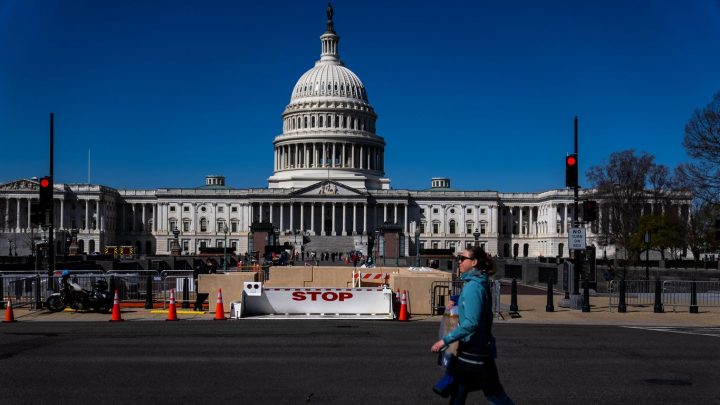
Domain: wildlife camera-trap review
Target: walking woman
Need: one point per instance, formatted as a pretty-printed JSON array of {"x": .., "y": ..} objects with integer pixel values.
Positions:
[{"x": 474, "y": 367}]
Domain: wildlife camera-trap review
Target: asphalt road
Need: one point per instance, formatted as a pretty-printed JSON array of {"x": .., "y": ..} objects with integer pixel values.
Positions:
[{"x": 343, "y": 362}]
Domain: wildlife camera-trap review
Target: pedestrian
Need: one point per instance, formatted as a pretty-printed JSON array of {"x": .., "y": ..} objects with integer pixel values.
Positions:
[{"x": 473, "y": 368}]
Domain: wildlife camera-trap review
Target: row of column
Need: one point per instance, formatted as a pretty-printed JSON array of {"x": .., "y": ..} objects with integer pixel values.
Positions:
[
  {"x": 329, "y": 154},
  {"x": 24, "y": 224},
  {"x": 332, "y": 209}
]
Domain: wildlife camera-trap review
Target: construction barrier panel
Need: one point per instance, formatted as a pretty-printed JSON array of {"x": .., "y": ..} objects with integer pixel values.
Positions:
[{"x": 374, "y": 302}]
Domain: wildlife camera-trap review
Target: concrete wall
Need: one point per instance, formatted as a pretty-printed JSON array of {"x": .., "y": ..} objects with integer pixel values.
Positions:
[{"x": 232, "y": 285}]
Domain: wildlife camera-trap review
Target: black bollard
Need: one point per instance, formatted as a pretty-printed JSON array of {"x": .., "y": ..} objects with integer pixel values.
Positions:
[
  {"x": 38, "y": 301},
  {"x": 513, "y": 296},
  {"x": 658, "y": 307},
  {"x": 111, "y": 286},
  {"x": 549, "y": 307},
  {"x": 149, "y": 292},
  {"x": 693, "y": 298},
  {"x": 2, "y": 293},
  {"x": 586, "y": 295},
  {"x": 186, "y": 293},
  {"x": 621, "y": 306}
]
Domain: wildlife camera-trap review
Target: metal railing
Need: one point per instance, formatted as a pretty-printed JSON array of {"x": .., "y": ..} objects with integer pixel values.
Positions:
[
  {"x": 675, "y": 293},
  {"x": 678, "y": 293},
  {"x": 440, "y": 292}
]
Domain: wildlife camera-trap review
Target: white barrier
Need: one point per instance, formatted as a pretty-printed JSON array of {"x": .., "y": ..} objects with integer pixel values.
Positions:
[
  {"x": 366, "y": 303},
  {"x": 360, "y": 277}
]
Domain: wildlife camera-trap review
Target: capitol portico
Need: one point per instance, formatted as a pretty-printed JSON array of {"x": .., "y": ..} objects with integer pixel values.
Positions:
[{"x": 328, "y": 188}]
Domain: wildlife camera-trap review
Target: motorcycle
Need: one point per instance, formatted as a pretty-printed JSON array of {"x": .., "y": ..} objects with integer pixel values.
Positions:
[{"x": 74, "y": 296}]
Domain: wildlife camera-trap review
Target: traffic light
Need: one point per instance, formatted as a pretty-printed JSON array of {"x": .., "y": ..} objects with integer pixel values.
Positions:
[
  {"x": 571, "y": 170},
  {"x": 589, "y": 210},
  {"x": 46, "y": 199}
]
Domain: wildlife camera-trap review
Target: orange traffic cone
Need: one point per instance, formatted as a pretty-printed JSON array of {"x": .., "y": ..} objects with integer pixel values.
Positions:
[
  {"x": 9, "y": 317},
  {"x": 219, "y": 309},
  {"x": 116, "y": 309},
  {"x": 172, "y": 311},
  {"x": 403, "y": 308}
]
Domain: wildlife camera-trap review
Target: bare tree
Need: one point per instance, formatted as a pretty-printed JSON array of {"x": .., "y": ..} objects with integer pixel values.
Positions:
[
  {"x": 702, "y": 143},
  {"x": 627, "y": 186}
]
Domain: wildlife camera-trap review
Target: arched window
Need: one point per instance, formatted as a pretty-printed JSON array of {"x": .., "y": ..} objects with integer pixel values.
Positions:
[
  {"x": 516, "y": 247},
  {"x": 203, "y": 225},
  {"x": 148, "y": 247},
  {"x": 91, "y": 246},
  {"x": 305, "y": 124},
  {"x": 526, "y": 250},
  {"x": 320, "y": 122},
  {"x": 81, "y": 246},
  {"x": 312, "y": 121},
  {"x": 452, "y": 226}
]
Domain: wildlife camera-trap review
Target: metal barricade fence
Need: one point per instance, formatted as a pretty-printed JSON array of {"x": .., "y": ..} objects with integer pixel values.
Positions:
[
  {"x": 638, "y": 293},
  {"x": 440, "y": 292},
  {"x": 678, "y": 293},
  {"x": 178, "y": 282},
  {"x": 23, "y": 289}
]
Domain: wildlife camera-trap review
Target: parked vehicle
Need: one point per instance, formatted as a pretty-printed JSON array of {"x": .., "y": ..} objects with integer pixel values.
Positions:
[{"x": 73, "y": 296}]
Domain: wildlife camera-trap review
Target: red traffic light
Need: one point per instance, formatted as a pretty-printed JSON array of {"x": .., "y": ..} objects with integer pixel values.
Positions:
[
  {"x": 571, "y": 160},
  {"x": 44, "y": 182}
]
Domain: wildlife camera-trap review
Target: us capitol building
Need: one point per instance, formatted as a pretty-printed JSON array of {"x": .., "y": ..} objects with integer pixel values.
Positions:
[{"x": 328, "y": 190}]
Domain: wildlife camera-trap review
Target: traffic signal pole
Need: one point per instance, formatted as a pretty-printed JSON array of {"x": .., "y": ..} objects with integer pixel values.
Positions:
[
  {"x": 51, "y": 209},
  {"x": 579, "y": 254}
]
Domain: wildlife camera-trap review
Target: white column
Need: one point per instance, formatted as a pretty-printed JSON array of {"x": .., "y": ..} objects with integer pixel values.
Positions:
[
  {"x": 17, "y": 216},
  {"x": 405, "y": 220},
  {"x": 195, "y": 228},
  {"x": 344, "y": 218},
  {"x": 302, "y": 216},
  {"x": 342, "y": 164},
  {"x": 355, "y": 219},
  {"x": 332, "y": 220},
  {"x": 332, "y": 164},
  {"x": 312, "y": 218},
  {"x": 282, "y": 217},
  {"x": 385, "y": 210},
  {"x": 352, "y": 162},
  {"x": 520, "y": 220},
  {"x": 365, "y": 218},
  {"x": 29, "y": 225},
  {"x": 292, "y": 221},
  {"x": 565, "y": 222},
  {"x": 97, "y": 217},
  {"x": 395, "y": 212},
  {"x": 271, "y": 212},
  {"x": 322, "y": 219}
]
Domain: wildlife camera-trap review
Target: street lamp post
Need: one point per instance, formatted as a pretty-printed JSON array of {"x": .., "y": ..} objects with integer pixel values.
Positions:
[
  {"x": 377, "y": 246},
  {"x": 417, "y": 246},
  {"x": 646, "y": 238},
  {"x": 476, "y": 235},
  {"x": 225, "y": 231}
]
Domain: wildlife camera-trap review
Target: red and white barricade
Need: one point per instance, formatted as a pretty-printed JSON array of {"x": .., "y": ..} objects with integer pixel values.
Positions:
[
  {"x": 376, "y": 278},
  {"x": 357, "y": 303}
]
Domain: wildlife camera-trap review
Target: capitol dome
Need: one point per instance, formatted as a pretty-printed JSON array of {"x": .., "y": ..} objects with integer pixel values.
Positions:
[
  {"x": 329, "y": 80},
  {"x": 329, "y": 128}
]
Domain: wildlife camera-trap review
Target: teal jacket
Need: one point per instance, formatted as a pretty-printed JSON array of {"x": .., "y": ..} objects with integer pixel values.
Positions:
[{"x": 473, "y": 299}]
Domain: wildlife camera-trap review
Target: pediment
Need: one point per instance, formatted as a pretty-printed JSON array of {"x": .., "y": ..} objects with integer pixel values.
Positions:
[
  {"x": 328, "y": 188},
  {"x": 20, "y": 185}
]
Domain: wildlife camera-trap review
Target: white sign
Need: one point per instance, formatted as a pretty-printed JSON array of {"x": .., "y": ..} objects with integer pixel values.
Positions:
[
  {"x": 288, "y": 301},
  {"x": 576, "y": 238}
]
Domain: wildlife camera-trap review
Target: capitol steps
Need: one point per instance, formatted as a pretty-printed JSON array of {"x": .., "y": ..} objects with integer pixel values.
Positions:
[{"x": 321, "y": 244}]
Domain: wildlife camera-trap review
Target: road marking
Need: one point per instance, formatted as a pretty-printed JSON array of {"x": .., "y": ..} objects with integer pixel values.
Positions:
[{"x": 688, "y": 330}]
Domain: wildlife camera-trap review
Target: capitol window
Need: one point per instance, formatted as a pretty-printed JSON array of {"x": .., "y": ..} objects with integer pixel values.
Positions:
[
  {"x": 172, "y": 208},
  {"x": 469, "y": 210},
  {"x": 233, "y": 209},
  {"x": 221, "y": 209},
  {"x": 203, "y": 225},
  {"x": 452, "y": 210},
  {"x": 186, "y": 226},
  {"x": 482, "y": 210},
  {"x": 452, "y": 226},
  {"x": 435, "y": 210},
  {"x": 186, "y": 209},
  {"x": 436, "y": 227}
]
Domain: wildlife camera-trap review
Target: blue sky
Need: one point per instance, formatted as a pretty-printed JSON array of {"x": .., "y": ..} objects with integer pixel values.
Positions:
[{"x": 483, "y": 92}]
